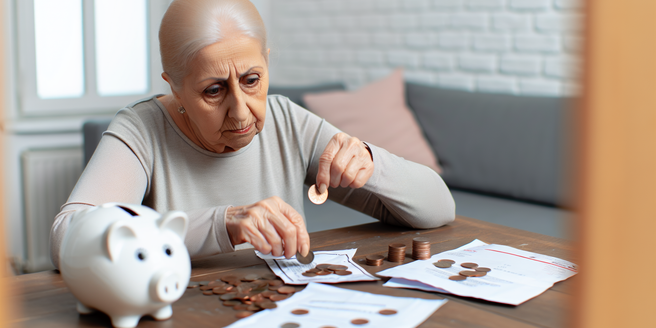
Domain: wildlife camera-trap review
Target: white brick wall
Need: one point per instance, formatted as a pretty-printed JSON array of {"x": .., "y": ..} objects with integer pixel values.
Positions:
[{"x": 503, "y": 46}]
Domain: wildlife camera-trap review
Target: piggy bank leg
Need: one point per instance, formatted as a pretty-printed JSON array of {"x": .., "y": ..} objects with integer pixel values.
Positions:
[
  {"x": 82, "y": 309},
  {"x": 127, "y": 321},
  {"x": 163, "y": 313}
]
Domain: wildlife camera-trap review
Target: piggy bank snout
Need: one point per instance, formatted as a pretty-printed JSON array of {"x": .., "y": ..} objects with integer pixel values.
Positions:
[{"x": 167, "y": 286}]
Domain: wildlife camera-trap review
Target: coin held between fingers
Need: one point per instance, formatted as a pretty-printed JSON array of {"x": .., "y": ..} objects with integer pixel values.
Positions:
[{"x": 316, "y": 197}]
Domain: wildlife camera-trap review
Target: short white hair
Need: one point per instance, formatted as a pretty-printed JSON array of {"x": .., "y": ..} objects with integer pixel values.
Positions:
[{"x": 191, "y": 25}]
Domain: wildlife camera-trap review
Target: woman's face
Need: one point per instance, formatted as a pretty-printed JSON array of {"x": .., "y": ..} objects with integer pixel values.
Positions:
[{"x": 224, "y": 94}]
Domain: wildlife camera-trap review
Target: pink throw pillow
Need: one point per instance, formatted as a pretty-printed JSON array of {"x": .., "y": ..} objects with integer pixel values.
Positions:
[{"x": 377, "y": 113}]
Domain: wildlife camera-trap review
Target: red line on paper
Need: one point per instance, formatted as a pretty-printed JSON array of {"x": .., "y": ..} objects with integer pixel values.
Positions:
[{"x": 528, "y": 258}]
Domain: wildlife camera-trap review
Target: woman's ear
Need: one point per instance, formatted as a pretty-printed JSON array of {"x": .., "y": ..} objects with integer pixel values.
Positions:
[{"x": 168, "y": 79}]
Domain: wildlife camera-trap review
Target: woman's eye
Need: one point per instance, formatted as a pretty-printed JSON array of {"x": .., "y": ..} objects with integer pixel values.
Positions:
[
  {"x": 141, "y": 254},
  {"x": 168, "y": 250},
  {"x": 252, "y": 79},
  {"x": 213, "y": 90}
]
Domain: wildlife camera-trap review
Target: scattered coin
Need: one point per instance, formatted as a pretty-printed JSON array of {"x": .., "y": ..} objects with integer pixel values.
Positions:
[
  {"x": 337, "y": 267},
  {"x": 193, "y": 284},
  {"x": 323, "y": 266},
  {"x": 305, "y": 259},
  {"x": 243, "y": 314},
  {"x": 479, "y": 274},
  {"x": 250, "y": 277},
  {"x": 457, "y": 278},
  {"x": 300, "y": 311},
  {"x": 268, "y": 305},
  {"x": 421, "y": 248},
  {"x": 277, "y": 298},
  {"x": 448, "y": 261},
  {"x": 204, "y": 283},
  {"x": 396, "y": 252},
  {"x": 207, "y": 292},
  {"x": 469, "y": 265},
  {"x": 443, "y": 265},
  {"x": 359, "y": 321},
  {"x": 227, "y": 297},
  {"x": 228, "y": 279},
  {"x": 286, "y": 290},
  {"x": 309, "y": 274},
  {"x": 276, "y": 283},
  {"x": 343, "y": 273},
  {"x": 231, "y": 303},
  {"x": 315, "y": 197},
  {"x": 240, "y": 307},
  {"x": 467, "y": 273},
  {"x": 375, "y": 260},
  {"x": 290, "y": 325},
  {"x": 206, "y": 287},
  {"x": 482, "y": 269},
  {"x": 387, "y": 312}
]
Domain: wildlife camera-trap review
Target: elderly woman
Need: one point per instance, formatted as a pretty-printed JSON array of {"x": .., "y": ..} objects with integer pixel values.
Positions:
[{"x": 236, "y": 159}]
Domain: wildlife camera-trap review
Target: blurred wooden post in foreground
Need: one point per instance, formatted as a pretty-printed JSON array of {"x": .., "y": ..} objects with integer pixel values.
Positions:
[
  {"x": 617, "y": 172},
  {"x": 4, "y": 270}
]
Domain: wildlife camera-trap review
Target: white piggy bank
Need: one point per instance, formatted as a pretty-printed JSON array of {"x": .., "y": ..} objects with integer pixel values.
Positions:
[{"x": 126, "y": 261}]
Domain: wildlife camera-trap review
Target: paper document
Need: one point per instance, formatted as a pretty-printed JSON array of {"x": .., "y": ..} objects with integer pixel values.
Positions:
[
  {"x": 323, "y": 305},
  {"x": 515, "y": 277},
  {"x": 291, "y": 271}
]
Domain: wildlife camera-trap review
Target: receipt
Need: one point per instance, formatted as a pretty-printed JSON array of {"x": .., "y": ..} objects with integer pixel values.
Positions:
[
  {"x": 516, "y": 275},
  {"x": 291, "y": 271}
]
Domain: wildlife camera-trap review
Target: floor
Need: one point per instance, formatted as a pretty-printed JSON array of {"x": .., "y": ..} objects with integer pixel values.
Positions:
[{"x": 531, "y": 217}]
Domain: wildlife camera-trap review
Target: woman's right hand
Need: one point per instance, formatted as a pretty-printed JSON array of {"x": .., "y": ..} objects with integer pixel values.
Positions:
[{"x": 270, "y": 225}]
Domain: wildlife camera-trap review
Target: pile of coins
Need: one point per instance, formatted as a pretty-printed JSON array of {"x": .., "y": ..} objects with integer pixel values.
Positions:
[
  {"x": 325, "y": 269},
  {"x": 475, "y": 271},
  {"x": 247, "y": 294},
  {"x": 375, "y": 260},
  {"x": 396, "y": 252},
  {"x": 421, "y": 248}
]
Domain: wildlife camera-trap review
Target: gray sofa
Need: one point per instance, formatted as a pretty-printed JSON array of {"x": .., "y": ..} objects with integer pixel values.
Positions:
[{"x": 502, "y": 156}]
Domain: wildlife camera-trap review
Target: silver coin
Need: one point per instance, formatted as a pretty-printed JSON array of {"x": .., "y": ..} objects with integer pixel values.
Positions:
[{"x": 305, "y": 259}]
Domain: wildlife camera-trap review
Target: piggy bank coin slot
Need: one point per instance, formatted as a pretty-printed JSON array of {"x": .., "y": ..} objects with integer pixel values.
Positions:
[{"x": 131, "y": 212}]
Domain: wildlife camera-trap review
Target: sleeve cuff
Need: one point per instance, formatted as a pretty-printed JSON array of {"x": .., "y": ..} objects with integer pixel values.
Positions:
[{"x": 222, "y": 236}]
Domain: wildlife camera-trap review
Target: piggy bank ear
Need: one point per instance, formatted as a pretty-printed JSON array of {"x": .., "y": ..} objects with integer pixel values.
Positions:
[
  {"x": 176, "y": 221},
  {"x": 117, "y": 234}
]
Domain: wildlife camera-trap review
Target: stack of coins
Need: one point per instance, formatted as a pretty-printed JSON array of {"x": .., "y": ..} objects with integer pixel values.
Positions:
[
  {"x": 375, "y": 260},
  {"x": 421, "y": 248},
  {"x": 326, "y": 269},
  {"x": 396, "y": 252},
  {"x": 247, "y": 294}
]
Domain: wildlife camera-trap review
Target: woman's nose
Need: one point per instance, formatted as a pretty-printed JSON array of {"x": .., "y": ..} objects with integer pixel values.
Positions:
[{"x": 238, "y": 110}]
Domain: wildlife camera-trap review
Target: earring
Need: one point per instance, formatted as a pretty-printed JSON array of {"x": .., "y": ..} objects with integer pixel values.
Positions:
[{"x": 181, "y": 110}]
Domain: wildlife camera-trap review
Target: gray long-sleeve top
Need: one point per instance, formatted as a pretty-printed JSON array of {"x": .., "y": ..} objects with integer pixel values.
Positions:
[{"x": 144, "y": 158}]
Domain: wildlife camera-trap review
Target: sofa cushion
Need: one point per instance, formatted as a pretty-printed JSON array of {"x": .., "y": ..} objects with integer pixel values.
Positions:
[
  {"x": 497, "y": 144},
  {"x": 377, "y": 113},
  {"x": 295, "y": 93}
]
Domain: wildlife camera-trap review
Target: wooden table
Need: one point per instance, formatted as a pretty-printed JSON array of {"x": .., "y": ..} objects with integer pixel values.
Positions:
[{"x": 46, "y": 302}]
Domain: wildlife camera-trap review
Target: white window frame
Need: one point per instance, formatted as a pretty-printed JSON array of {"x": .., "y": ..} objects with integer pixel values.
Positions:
[{"x": 90, "y": 103}]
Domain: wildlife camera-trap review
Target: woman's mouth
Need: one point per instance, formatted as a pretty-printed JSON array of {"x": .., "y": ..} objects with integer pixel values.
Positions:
[{"x": 242, "y": 131}]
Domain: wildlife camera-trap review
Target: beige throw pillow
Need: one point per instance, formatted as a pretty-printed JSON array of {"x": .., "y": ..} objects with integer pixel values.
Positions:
[{"x": 376, "y": 113}]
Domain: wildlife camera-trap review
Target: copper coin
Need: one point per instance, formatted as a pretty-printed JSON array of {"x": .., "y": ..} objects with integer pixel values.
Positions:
[
  {"x": 244, "y": 289},
  {"x": 467, "y": 273},
  {"x": 227, "y": 297},
  {"x": 276, "y": 283},
  {"x": 421, "y": 240},
  {"x": 315, "y": 197},
  {"x": 277, "y": 298},
  {"x": 216, "y": 283},
  {"x": 309, "y": 274},
  {"x": 387, "y": 312},
  {"x": 274, "y": 288},
  {"x": 300, "y": 311},
  {"x": 305, "y": 259},
  {"x": 447, "y": 261},
  {"x": 243, "y": 314},
  {"x": 257, "y": 298},
  {"x": 208, "y": 292},
  {"x": 343, "y": 273},
  {"x": 219, "y": 290},
  {"x": 229, "y": 278},
  {"x": 397, "y": 245},
  {"x": 253, "y": 307},
  {"x": 359, "y": 321},
  {"x": 250, "y": 277},
  {"x": 203, "y": 283},
  {"x": 375, "y": 257},
  {"x": 240, "y": 307},
  {"x": 206, "y": 287},
  {"x": 268, "y": 305},
  {"x": 268, "y": 294},
  {"x": 231, "y": 303},
  {"x": 323, "y": 273},
  {"x": 323, "y": 266},
  {"x": 286, "y": 290},
  {"x": 479, "y": 274},
  {"x": 482, "y": 269},
  {"x": 337, "y": 267},
  {"x": 193, "y": 284},
  {"x": 457, "y": 278},
  {"x": 442, "y": 265},
  {"x": 313, "y": 270},
  {"x": 327, "y": 327},
  {"x": 290, "y": 325},
  {"x": 469, "y": 265}
]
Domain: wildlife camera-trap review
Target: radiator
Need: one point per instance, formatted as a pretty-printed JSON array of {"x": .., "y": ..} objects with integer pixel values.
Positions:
[{"x": 48, "y": 179}]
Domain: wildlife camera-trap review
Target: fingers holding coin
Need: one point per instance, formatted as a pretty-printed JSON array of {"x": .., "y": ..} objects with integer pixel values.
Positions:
[{"x": 346, "y": 162}]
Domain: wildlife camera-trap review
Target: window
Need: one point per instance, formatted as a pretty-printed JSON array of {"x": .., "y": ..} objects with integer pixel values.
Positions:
[{"x": 87, "y": 56}]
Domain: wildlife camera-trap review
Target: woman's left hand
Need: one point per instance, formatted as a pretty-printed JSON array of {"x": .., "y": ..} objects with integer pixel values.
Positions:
[{"x": 345, "y": 162}]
